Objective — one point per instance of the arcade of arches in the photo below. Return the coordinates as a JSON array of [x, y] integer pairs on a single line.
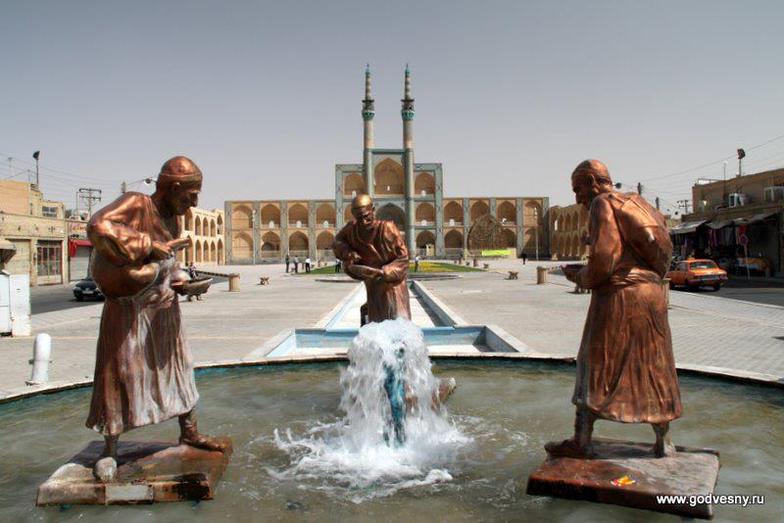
[[205, 229]]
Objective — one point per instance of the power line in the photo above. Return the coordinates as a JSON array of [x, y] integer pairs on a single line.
[[715, 162]]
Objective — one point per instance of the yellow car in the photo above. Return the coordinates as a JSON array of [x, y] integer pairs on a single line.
[[697, 273]]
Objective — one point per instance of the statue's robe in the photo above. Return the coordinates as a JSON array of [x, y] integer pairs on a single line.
[[387, 298], [143, 367], [625, 365]]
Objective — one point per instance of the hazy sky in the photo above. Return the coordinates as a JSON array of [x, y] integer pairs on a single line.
[[510, 96]]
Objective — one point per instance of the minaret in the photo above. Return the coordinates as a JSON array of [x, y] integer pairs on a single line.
[[407, 112], [368, 112]]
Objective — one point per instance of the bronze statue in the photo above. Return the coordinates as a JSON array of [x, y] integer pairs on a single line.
[[625, 365], [373, 251], [144, 369]]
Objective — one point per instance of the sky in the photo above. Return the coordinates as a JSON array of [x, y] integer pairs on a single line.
[[510, 95]]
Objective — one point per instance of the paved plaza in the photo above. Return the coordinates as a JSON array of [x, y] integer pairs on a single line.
[[725, 335]]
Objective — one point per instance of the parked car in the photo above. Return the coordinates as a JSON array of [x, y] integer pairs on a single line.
[[86, 288], [697, 273]]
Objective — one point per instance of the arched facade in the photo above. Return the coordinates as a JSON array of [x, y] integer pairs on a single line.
[[241, 217], [205, 227], [270, 245], [424, 239]]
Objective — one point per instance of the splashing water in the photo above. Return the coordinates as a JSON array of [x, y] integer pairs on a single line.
[[373, 451]]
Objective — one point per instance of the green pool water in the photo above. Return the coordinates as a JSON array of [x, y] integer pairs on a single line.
[[508, 411]]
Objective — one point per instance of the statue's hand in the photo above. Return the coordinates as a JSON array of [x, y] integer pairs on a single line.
[[353, 257], [161, 251]]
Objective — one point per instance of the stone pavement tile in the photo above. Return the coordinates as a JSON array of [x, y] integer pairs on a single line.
[[707, 330], [224, 325]]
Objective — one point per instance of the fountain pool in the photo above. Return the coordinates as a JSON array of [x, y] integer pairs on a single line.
[[506, 411]]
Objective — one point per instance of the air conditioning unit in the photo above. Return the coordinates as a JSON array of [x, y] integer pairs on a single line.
[[774, 194], [737, 199]]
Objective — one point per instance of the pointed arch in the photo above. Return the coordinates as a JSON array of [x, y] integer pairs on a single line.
[[325, 213], [270, 216], [298, 215], [241, 217], [507, 213], [425, 212], [393, 213], [353, 184], [221, 252], [241, 247], [298, 243], [479, 209], [453, 211], [197, 228], [453, 240], [425, 184], [324, 240], [389, 178], [424, 239]]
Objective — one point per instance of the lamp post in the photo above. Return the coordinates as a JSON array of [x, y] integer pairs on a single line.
[[36, 155], [536, 231]]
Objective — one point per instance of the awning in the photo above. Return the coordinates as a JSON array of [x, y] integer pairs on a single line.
[[75, 243], [686, 227], [754, 218], [719, 224]]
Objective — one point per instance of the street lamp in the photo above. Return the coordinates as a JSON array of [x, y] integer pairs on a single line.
[[36, 155], [536, 231]]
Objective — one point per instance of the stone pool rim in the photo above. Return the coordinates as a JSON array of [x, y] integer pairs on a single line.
[[718, 373]]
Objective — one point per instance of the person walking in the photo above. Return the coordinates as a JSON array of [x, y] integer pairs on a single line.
[[307, 264], [525, 257], [296, 265], [337, 266], [417, 259], [288, 261]]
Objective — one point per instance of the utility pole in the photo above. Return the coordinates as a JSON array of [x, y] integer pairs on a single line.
[[684, 204], [90, 195], [123, 187], [724, 197], [639, 188], [657, 203]]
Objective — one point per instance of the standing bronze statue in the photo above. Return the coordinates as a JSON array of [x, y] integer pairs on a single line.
[[373, 251], [144, 369], [625, 365]]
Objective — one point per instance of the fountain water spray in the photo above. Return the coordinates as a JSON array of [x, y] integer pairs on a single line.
[[395, 433]]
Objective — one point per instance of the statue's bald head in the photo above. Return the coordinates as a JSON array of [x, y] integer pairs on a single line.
[[361, 200], [589, 179], [593, 168]]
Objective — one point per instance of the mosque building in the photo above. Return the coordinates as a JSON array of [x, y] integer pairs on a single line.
[[404, 191]]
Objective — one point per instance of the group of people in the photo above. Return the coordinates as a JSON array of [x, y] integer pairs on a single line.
[[307, 265]]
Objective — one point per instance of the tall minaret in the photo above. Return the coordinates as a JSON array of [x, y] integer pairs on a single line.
[[368, 112], [407, 112]]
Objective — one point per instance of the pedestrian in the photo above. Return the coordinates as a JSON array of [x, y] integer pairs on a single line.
[[337, 266], [416, 263], [307, 264], [288, 261], [525, 258], [296, 264], [192, 270]]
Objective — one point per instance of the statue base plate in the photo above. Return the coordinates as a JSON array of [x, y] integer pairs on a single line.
[[627, 473], [147, 472]]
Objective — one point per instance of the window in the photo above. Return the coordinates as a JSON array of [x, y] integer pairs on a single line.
[[702, 265], [49, 212], [50, 255]]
